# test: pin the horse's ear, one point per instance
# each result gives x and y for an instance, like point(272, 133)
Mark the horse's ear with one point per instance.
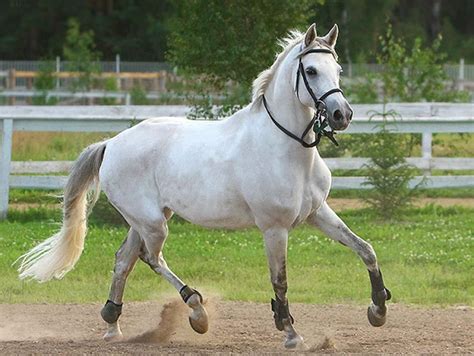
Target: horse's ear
point(331, 36)
point(310, 35)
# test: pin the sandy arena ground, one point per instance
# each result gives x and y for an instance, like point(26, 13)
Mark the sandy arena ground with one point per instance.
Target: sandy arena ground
point(236, 327)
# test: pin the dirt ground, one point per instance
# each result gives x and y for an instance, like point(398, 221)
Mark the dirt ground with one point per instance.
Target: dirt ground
point(235, 327)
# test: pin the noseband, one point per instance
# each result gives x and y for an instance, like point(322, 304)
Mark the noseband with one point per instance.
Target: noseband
point(320, 119)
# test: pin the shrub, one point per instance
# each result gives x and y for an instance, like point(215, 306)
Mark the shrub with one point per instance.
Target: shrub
point(44, 82)
point(388, 173)
point(138, 96)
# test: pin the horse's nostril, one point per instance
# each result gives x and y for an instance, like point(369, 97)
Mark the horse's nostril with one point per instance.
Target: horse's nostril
point(350, 114)
point(338, 115)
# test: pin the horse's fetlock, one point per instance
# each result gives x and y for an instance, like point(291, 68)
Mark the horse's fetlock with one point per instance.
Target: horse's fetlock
point(111, 312)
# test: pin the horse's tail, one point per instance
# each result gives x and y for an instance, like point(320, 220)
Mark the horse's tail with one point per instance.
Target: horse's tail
point(56, 256)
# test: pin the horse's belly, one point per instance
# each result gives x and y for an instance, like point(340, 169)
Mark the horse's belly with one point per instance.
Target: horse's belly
point(205, 195)
point(217, 212)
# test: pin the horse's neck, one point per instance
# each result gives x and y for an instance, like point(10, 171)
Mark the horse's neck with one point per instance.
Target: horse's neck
point(286, 108)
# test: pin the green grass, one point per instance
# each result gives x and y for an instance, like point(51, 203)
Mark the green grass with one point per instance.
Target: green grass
point(426, 259)
point(421, 193)
point(52, 196)
point(47, 146)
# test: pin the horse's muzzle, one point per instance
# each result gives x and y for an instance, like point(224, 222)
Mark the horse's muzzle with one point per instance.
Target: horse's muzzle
point(340, 118)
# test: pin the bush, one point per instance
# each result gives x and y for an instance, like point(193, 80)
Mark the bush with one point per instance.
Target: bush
point(105, 213)
point(109, 85)
point(138, 96)
point(44, 82)
point(414, 74)
point(409, 74)
point(388, 174)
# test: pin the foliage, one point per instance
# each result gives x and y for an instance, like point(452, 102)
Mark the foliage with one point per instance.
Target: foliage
point(109, 85)
point(234, 44)
point(105, 213)
point(414, 74)
point(44, 82)
point(410, 74)
point(237, 41)
point(138, 29)
point(138, 96)
point(426, 254)
point(388, 174)
point(79, 50)
point(363, 90)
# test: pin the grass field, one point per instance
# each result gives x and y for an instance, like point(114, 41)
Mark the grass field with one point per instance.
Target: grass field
point(46, 146)
point(426, 259)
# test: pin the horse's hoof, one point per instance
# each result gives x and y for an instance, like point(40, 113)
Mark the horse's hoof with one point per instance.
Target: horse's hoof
point(200, 325)
point(110, 337)
point(113, 332)
point(199, 319)
point(295, 342)
point(377, 315)
point(113, 336)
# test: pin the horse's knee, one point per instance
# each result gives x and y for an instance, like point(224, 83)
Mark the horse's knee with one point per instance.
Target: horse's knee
point(367, 253)
point(111, 312)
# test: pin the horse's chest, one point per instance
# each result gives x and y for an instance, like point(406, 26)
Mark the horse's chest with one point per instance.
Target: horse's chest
point(305, 207)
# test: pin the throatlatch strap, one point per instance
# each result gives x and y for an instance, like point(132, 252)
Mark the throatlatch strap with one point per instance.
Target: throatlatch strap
point(186, 293)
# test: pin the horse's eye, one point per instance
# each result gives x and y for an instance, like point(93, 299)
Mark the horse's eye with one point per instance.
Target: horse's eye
point(310, 71)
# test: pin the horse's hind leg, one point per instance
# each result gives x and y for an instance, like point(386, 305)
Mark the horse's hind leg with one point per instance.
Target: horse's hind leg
point(154, 240)
point(125, 260)
point(327, 220)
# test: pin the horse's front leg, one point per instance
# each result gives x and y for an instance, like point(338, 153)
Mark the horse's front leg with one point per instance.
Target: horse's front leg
point(276, 242)
point(329, 223)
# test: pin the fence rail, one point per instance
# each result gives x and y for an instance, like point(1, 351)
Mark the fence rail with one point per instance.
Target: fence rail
point(424, 118)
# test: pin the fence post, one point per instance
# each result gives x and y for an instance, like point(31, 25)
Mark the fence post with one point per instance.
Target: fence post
point(461, 74)
point(117, 70)
point(426, 140)
point(5, 160)
point(58, 69)
point(11, 84)
point(162, 76)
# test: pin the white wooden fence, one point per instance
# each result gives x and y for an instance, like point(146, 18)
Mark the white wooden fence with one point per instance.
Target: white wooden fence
point(424, 118)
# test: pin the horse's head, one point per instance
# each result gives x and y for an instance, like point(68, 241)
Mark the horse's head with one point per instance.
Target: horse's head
point(317, 78)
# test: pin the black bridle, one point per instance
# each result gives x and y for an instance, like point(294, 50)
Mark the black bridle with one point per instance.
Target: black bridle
point(320, 120)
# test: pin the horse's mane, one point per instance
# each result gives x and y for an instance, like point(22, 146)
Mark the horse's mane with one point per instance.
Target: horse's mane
point(294, 37)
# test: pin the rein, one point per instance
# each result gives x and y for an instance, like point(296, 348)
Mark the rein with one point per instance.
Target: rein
point(319, 122)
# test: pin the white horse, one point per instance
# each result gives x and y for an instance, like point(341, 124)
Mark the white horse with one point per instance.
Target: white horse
point(252, 169)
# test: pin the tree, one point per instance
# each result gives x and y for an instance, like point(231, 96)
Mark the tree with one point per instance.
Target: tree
point(231, 40)
point(44, 82)
point(388, 173)
point(79, 50)
point(416, 73)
